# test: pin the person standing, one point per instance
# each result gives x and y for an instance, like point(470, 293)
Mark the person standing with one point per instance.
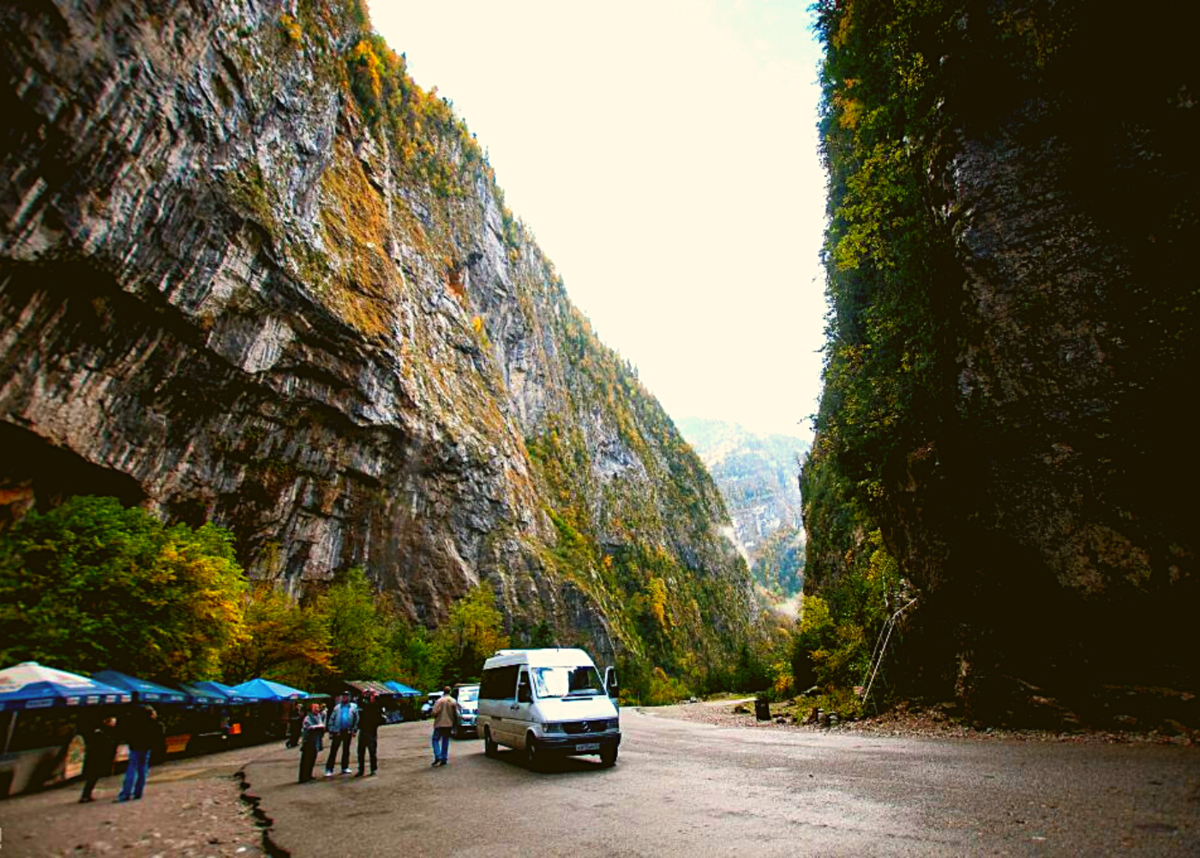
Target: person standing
point(370, 716)
point(295, 719)
point(98, 760)
point(445, 716)
point(342, 724)
point(312, 731)
point(144, 735)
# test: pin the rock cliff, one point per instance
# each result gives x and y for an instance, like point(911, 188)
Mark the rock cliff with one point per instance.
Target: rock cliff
point(1014, 207)
point(251, 272)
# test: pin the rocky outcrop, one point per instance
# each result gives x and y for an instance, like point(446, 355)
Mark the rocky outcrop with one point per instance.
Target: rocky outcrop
point(1044, 516)
point(250, 272)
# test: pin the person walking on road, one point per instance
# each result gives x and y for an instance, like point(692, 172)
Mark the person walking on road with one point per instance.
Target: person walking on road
point(370, 716)
point(445, 716)
point(98, 760)
point(311, 733)
point(342, 725)
point(145, 738)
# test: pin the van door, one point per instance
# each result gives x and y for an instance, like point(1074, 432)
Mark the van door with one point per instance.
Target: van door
point(521, 710)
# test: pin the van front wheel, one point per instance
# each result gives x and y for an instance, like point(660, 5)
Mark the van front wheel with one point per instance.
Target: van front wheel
point(608, 756)
point(533, 756)
point(490, 748)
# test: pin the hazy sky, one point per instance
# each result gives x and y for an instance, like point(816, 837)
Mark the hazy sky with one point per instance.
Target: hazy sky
point(664, 154)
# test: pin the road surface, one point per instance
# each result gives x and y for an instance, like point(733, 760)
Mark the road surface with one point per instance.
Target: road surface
point(682, 788)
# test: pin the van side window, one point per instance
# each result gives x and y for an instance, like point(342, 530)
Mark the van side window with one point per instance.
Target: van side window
point(499, 683)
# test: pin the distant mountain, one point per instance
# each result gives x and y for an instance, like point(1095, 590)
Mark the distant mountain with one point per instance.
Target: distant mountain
point(758, 476)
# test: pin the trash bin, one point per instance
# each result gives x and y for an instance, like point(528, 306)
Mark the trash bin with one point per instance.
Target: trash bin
point(762, 709)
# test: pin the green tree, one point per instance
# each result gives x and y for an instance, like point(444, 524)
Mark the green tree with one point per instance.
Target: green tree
point(418, 661)
point(92, 585)
point(284, 641)
point(361, 626)
point(473, 632)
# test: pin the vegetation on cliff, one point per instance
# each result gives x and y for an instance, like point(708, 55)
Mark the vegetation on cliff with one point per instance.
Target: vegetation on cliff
point(779, 563)
point(889, 281)
point(638, 533)
point(1006, 204)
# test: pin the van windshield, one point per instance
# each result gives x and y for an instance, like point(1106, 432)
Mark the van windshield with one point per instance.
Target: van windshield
point(567, 681)
point(468, 695)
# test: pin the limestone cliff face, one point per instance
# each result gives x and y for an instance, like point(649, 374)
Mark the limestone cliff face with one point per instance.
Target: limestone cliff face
point(1040, 501)
point(252, 272)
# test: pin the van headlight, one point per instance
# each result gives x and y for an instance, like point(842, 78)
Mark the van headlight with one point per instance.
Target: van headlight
point(552, 728)
point(614, 724)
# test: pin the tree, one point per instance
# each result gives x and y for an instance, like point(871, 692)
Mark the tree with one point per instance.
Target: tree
point(92, 585)
point(361, 626)
point(418, 661)
point(474, 631)
point(285, 641)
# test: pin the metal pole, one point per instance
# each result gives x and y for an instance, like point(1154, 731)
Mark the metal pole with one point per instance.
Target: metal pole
point(891, 624)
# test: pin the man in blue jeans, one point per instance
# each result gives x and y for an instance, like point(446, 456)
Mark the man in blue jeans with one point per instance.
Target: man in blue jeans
point(445, 716)
point(144, 735)
point(341, 726)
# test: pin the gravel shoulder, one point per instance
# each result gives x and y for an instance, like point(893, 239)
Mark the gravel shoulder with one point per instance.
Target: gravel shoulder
point(925, 723)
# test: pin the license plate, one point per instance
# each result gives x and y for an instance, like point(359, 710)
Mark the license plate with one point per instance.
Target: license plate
point(588, 746)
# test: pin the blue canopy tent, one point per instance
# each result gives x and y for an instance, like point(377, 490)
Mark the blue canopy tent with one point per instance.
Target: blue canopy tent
point(31, 686)
point(225, 691)
point(401, 689)
point(203, 696)
point(143, 690)
point(265, 689)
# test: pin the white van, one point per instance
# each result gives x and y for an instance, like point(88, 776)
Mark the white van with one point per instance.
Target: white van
point(468, 709)
point(546, 702)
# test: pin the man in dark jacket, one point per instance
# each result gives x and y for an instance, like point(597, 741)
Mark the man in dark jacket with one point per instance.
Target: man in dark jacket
point(370, 716)
point(144, 735)
point(98, 760)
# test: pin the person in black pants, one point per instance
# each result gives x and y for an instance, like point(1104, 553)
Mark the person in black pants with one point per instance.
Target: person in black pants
point(295, 719)
point(342, 724)
point(312, 731)
point(98, 761)
point(370, 716)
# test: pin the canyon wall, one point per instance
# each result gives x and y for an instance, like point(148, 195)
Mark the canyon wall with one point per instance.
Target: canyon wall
point(251, 272)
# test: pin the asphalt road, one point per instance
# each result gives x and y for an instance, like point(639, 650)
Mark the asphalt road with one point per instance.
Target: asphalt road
point(682, 788)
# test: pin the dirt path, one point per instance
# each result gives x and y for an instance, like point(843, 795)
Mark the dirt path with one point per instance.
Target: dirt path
point(191, 807)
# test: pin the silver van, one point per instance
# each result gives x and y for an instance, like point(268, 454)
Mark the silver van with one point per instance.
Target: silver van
point(548, 702)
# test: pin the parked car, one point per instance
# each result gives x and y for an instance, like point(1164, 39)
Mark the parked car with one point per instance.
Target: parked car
point(468, 709)
point(427, 706)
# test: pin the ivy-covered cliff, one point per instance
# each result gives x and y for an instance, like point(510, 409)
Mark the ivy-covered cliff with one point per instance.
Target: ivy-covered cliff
point(1014, 203)
point(251, 272)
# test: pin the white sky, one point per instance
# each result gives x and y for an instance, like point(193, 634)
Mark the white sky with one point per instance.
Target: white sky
point(664, 154)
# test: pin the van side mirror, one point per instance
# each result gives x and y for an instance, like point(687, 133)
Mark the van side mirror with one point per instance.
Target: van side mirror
point(524, 692)
point(610, 681)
